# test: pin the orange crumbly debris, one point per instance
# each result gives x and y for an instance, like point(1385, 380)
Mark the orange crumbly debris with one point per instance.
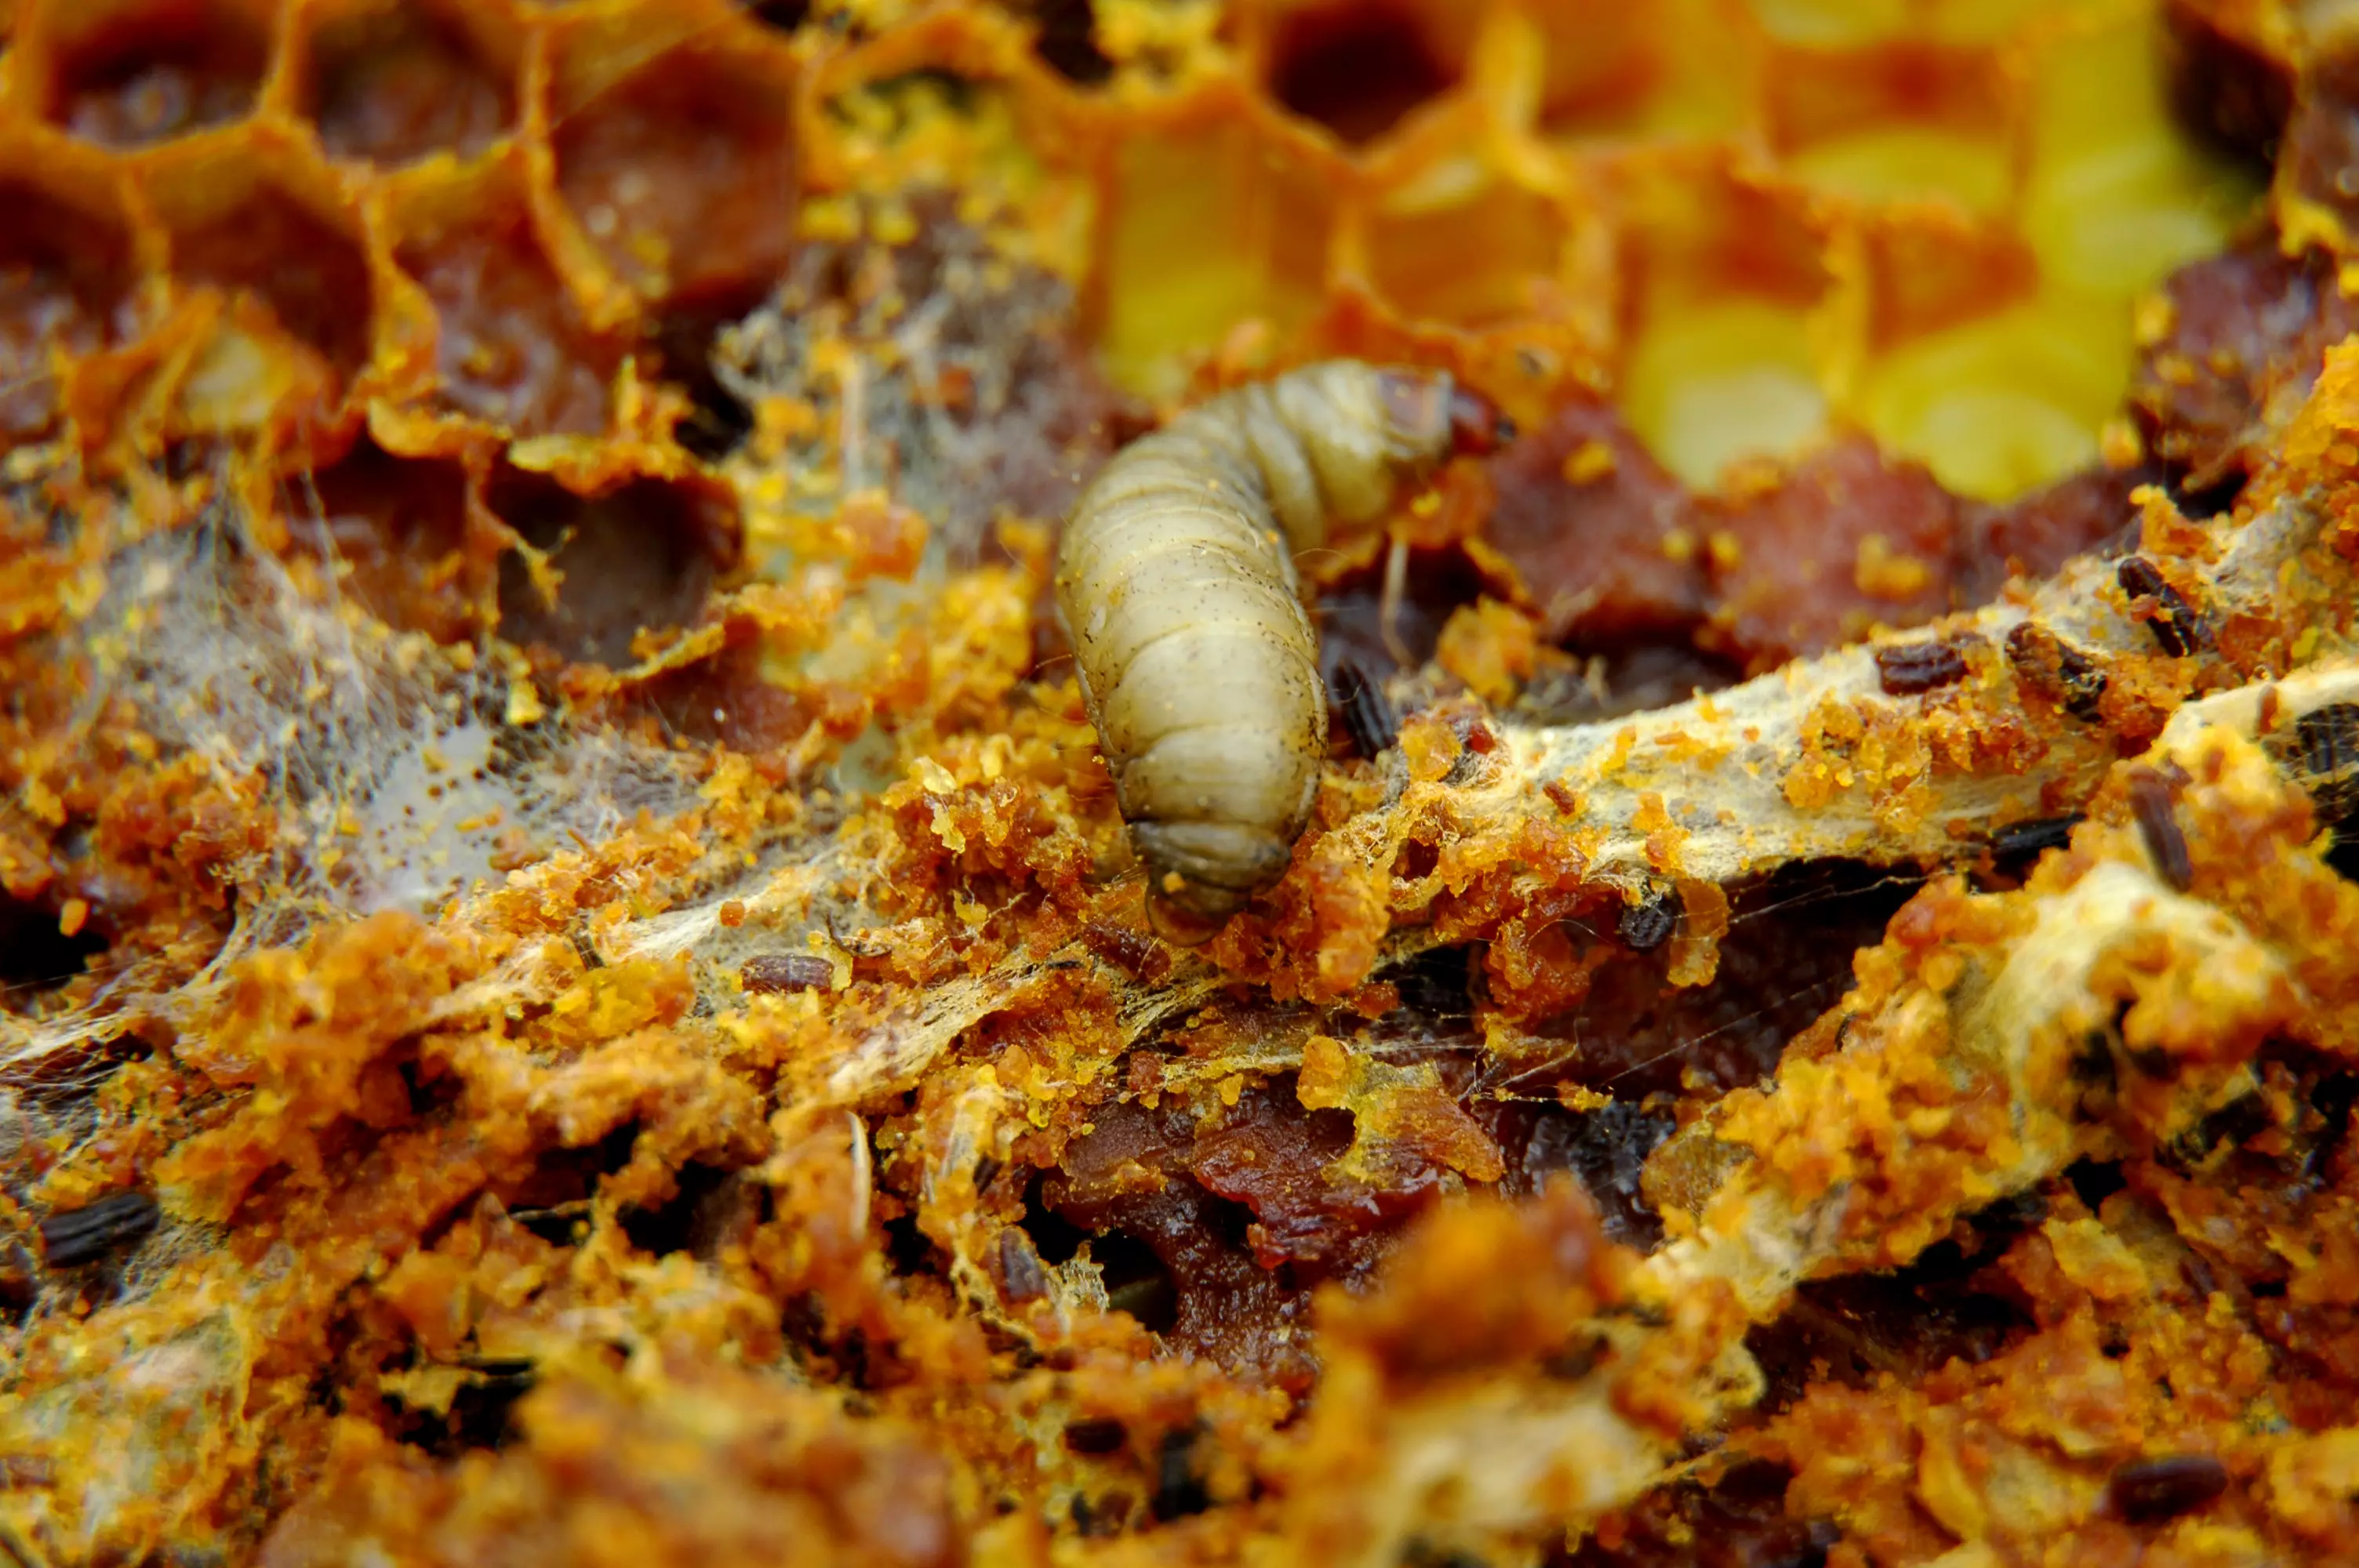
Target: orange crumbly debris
point(572, 985)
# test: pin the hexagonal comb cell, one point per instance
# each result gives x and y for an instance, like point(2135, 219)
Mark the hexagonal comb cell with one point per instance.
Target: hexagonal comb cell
point(401, 531)
point(66, 268)
point(1723, 355)
point(1672, 68)
point(299, 297)
point(1066, 40)
point(131, 72)
point(513, 349)
point(2116, 196)
point(1468, 249)
point(639, 558)
point(1358, 68)
point(1211, 220)
point(680, 167)
point(391, 83)
point(1897, 121)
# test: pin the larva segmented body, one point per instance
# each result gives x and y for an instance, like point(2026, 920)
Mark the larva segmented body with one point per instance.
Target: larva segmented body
point(1176, 585)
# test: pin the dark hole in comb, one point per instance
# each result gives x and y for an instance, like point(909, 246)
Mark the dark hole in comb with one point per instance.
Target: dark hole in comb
point(1369, 718)
point(786, 15)
point(670, 1227)
point(1136, 1280)
point(478, 1415)
point(35, 954)
point(2093, 1181)
point(1067, 42)
point(1099, 1435)
point(1178, 1489)
point(1438, 982)
point(1355, 70)
point(718, 422)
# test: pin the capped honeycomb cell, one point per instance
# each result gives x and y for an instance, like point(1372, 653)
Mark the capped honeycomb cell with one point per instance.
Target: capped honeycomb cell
point(125, 73)
point(1724, 356)
point(512, 347)
point(2000, 404)
point(1849, 24)
point(1924, 271)
point(1212, 219)
point(68, 271)
point(1682, 68)
point(1897, 121)
point(389, 81)
point(1470, 249)
point(677, 161)
point(1832, 24)
point(2117, 197)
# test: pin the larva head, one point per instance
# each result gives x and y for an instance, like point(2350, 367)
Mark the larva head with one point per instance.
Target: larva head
point(1199, 873)
point(1435, 416)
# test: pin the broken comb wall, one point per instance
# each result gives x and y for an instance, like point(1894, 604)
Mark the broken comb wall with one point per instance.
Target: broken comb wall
point(571, 982)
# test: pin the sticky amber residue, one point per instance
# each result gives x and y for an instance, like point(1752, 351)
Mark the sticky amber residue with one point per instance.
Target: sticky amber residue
point(373, 475)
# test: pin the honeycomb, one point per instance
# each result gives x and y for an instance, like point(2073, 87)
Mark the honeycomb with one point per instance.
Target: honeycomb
point(572, 989)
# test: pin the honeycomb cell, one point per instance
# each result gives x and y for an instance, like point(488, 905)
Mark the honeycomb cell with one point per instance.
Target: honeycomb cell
point(1722, 361)
point(35, 955)
point(1710, 386)
point(239, 230)
point(682, 173)
point(2321, 141)
point(66, 271)
point(1471, 251)
point(2007, 21)
point(1684, 68)
point(513, 349)
point(2226, 82)
point(785, 16)
point(1832, 24)
point(1897, 122)
point(391, 84)
point(1926, 272)
point(1210, 222)
point(1066, 40)
point(1358, 69)
point(641, 557)
point(2004, 402)
point(137, 71)
point(2116, 196)
point(400, 530)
